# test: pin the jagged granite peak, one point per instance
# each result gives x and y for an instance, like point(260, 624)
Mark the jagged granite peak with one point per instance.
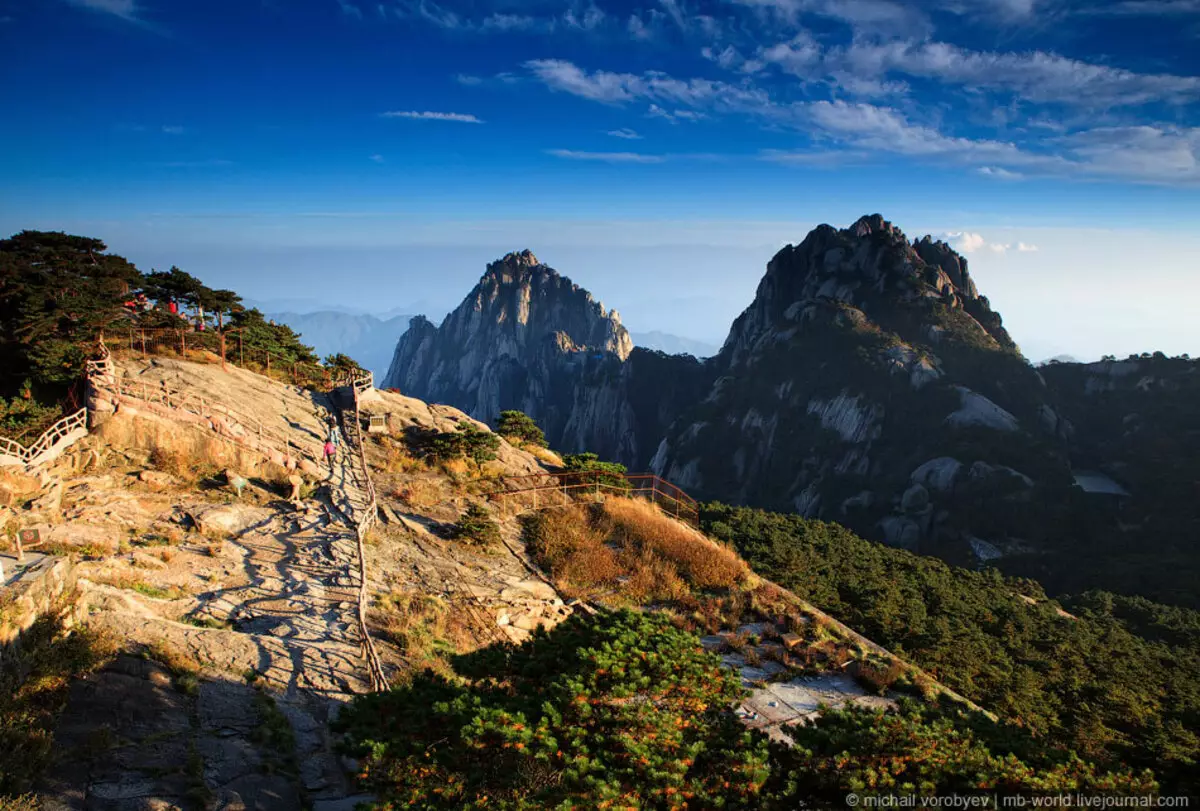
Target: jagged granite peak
point(521, 339)
point(862, 357)
point(870, 267)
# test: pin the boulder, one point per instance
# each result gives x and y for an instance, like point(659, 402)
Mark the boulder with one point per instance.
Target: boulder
point(975, 409)
point(937, 474)
point(229, 518)
point(156, 478)
point(982, 473)
point(915, 499)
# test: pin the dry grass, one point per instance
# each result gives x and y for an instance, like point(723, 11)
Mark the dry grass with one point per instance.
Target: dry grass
point(629, 552)
point(543, 455)
point(704, 563)
point(417, 624)
point(423, 493)
point(396, 458)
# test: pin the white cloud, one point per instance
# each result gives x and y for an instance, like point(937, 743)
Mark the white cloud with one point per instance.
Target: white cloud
point(592, 17)
point(125, 9)
point(625, 133)
point(605, 157)
point(350, 10)
point(1154, 154)
point(462, 118)
point(999, 173)
point(619, 88)
point(874, 15)
point(376, 158)
point(509, 22)
point(883, 129)
point(969, 242)
point(1035, 76)
point(816, 158)
point(1163, 154)
point(1154, 8)
point(675, 116)
point(1025, 247)
point(637, 28)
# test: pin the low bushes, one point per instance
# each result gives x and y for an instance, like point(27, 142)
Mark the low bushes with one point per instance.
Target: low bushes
point(519, 427)
point(616, 710)
point(476, 526)
point(466, 441)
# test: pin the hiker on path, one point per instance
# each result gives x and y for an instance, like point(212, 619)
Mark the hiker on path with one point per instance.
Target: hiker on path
point(330, 453)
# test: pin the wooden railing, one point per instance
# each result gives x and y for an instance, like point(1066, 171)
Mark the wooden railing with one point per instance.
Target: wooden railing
point(517, 494)
point(52, 436)
point(230, 346)
point(352, 429)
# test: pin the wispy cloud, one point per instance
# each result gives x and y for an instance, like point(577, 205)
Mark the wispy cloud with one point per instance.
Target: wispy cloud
point(812, 158)
point(1035, 76)
point(625, 133)
point(375, 158)
point(968, 242)
point(462, 118)
point(619, 88)
point(674, 116)
point(868, 15)
point(999, 173)
point(1025, 247)
point(125, 9)
point(605, 157)
point(574, 18)
point(173, 129)
point(503, 78)
point(350, 10)
point(1148, 153)
point(1149, 8)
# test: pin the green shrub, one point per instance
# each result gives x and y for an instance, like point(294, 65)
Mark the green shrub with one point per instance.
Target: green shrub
point(608, 474)
point(520, 426)
point(617, 709)
point(466, 441)
point(476, 526)
point(918, 749)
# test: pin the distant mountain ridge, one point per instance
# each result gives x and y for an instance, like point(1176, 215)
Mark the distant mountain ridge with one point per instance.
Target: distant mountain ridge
point(674, 344)
point(366, 338)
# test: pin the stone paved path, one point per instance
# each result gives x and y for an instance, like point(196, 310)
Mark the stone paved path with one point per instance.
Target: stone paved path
point(282, 655)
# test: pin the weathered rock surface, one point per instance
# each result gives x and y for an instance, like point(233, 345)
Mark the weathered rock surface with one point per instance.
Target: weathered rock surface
point(527, 338)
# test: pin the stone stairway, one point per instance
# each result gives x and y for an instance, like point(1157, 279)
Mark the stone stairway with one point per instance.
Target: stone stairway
point(276, 657)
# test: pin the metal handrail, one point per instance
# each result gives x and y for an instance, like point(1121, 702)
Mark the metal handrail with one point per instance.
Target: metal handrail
point(593, 482)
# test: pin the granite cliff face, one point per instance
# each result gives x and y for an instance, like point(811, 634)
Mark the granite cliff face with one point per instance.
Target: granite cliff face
point(868, 383)
point(528, 338)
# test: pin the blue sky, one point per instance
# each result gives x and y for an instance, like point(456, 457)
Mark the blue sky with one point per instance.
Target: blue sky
point(378, 154)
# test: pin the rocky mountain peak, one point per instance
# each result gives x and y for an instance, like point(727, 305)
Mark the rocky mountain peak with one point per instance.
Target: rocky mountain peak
point(872, 224)
point(867, 272)
point(520, 328)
